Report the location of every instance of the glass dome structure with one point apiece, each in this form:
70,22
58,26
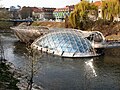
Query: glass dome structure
65,43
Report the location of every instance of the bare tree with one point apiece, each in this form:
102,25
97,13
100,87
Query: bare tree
33,65
2,57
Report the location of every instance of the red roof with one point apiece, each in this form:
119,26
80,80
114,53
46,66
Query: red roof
97,3
35,9
67,8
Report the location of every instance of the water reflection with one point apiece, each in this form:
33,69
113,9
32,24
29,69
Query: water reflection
89,64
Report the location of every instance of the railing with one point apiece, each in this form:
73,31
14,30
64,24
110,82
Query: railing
111,44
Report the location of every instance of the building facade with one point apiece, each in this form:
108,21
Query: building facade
99,5
61,13
15,12
43,13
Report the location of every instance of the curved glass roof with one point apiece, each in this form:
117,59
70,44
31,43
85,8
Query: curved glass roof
66,43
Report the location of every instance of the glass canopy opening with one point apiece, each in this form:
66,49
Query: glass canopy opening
96,36
65,43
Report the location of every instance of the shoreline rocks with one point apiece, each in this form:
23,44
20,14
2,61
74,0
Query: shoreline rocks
17,74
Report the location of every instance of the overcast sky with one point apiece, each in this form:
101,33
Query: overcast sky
39,3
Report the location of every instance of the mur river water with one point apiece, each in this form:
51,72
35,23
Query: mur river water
56,73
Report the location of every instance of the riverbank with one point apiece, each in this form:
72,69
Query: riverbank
5,25
13,79
111,30
7,81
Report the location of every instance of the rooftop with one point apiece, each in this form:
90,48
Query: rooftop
97,3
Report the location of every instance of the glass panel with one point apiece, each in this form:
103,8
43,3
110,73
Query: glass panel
59,49
56,45
69,49
63,49
52,44
72,50
68,42
62,43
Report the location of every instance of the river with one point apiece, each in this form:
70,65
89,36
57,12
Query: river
56,73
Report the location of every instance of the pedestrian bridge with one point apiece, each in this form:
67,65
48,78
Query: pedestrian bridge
108,44
17,21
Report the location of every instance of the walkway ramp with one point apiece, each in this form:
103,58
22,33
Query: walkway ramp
108,45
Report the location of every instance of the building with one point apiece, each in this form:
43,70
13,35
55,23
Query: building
98,4
36,12
61,13
15,12
43,13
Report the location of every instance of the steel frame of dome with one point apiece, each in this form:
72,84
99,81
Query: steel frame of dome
67,43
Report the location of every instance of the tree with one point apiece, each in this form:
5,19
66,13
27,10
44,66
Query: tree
33,66
82,9
2,56
26,12
80,14
73,18
110,9
4,14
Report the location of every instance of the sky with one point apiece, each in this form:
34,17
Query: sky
39,3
